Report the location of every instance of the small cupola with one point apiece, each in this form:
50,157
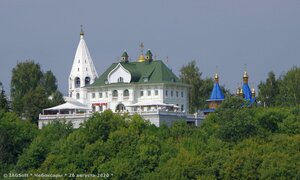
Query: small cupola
124,56
149,55
245,77
216,79
253,93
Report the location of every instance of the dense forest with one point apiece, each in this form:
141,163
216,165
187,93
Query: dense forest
232,143
235,142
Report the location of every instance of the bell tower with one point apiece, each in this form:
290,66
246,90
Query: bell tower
83,72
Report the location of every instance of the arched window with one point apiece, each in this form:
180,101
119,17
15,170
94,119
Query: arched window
126,93
87,80
115,93
120,79
77,82
120,107
77,96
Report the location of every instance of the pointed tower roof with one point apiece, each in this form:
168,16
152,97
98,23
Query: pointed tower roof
216,94
83,65
246,89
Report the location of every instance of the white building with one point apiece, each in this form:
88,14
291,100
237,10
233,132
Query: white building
146,86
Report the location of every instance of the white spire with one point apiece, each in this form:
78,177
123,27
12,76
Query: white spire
83,71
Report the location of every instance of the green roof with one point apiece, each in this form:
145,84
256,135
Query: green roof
148,53
142,73
124,54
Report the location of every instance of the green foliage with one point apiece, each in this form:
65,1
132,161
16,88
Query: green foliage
235,142
191,75
31,89
36,153
15,136
284,91
3,100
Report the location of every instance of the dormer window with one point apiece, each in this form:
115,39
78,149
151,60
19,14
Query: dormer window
146,79
106,82
120,79
172,79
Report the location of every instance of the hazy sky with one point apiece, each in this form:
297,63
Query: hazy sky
219,35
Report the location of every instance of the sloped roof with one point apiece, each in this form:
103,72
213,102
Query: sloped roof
69,105
216,94
247,91
154,71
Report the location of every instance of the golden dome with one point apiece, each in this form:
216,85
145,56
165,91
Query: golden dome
253,93
238,91
216,78
245,77
141,58
245,74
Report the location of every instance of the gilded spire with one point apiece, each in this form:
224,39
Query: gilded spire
81,31
141,58
253,93
245,77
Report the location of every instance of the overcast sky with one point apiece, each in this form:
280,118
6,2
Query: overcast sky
221,36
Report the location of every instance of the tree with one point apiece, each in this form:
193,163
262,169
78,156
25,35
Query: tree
49,82
3,100
191,75
15,136
289,92
34,101
32,90
269,90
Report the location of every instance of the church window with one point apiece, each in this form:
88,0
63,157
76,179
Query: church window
172,93
93,95
156,92
77,82
149,93
115,94
126,93
120,79
100,95
176,93
142,93
166,93
182,107
181,93
87,80
77,96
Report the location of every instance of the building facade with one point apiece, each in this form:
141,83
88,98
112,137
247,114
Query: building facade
145,86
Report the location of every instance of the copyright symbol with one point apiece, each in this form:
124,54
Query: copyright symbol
5,175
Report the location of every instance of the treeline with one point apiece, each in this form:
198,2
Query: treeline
281,91
232,143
